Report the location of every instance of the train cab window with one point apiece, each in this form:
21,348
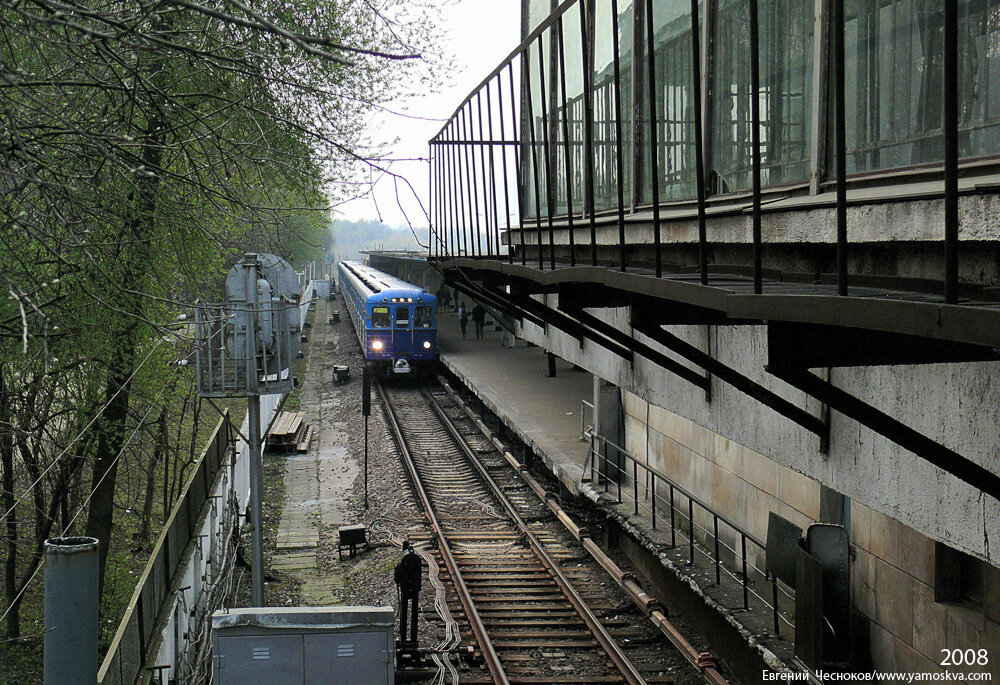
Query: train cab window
402,317
423,316
380,317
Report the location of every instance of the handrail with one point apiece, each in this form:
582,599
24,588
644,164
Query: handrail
664,477
583,429
743,577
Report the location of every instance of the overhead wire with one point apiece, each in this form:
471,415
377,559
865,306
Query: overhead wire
83,506
81,433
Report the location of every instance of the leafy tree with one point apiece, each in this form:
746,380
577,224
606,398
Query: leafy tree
144,145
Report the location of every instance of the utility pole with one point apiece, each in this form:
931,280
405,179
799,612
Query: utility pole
245,348
253,423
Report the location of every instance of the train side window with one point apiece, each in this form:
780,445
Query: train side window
423,317
402,317
380,317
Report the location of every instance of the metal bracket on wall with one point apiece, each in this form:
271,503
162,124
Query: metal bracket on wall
943,457
734,378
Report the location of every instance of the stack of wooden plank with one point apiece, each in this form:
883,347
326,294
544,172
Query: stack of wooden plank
290,433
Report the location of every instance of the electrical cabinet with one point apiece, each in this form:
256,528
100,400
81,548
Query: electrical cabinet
303,646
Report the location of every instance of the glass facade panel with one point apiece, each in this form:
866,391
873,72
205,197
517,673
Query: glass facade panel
538,11
606,143
538,126
784,97
894,62
569,116
672,52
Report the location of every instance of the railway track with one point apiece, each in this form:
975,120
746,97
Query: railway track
526,592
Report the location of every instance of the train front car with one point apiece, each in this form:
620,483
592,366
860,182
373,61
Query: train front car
398,329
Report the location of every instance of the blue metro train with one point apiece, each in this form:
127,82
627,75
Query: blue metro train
396,322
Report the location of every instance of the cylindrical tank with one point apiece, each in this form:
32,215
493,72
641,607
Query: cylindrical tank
71,567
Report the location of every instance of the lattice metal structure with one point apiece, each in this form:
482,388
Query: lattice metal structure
246,345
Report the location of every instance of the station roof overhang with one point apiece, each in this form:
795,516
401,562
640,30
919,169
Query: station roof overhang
808,325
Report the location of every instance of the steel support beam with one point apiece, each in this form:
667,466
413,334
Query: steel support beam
943,457
640,348
570,326
812,346
734,378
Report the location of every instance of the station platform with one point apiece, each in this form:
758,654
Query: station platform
544,412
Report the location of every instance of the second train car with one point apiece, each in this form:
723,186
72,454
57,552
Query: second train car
396,321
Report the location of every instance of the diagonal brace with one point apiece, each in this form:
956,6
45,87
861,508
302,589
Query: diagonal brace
736,379
944,458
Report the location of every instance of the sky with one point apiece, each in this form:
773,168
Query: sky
479,33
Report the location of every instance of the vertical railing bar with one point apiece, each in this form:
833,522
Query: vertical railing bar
715,523
463,159
549,190
482,166
690,529
652,502
774,603
453,181
471,176
442,208
746,593
840,135
567,151
758,284
950,117
699,159
673,531
619,157
461,209
654,167
534,160
431,204
588,132
635,486
503,161
517,156
442,202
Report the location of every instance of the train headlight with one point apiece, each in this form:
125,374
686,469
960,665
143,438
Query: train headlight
376,345
427,344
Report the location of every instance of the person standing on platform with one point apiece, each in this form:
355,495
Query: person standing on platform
443,296
408,576
479,318
463,318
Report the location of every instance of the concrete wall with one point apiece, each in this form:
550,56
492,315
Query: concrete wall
892,575
892,579
958,404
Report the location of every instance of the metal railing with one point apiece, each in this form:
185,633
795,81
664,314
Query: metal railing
521,145
585,428
610,465
126,659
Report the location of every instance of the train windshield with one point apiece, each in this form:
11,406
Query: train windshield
380,317
402,317
423,316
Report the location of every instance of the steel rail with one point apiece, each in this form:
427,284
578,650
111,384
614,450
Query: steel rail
703,661
604,639
490,655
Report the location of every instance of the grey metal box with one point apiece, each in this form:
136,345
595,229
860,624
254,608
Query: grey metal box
303,646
